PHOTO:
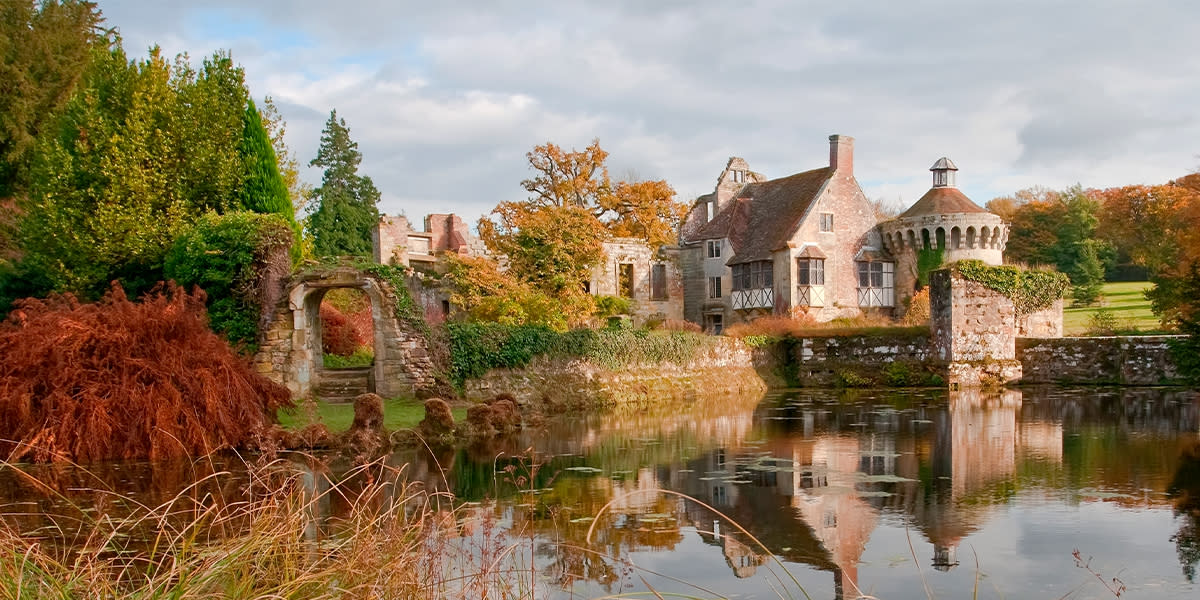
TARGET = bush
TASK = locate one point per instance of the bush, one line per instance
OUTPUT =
(338, 336)
(124, 380)
(362, 357)
(680, 325)
(612, 306)
(917, 310)
(1102, 322)
(236, 259)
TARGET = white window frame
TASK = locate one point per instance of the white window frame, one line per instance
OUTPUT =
(714, 248)
(826, 225)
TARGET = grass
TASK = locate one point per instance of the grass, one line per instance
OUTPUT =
(398, 413)
(1127, 303)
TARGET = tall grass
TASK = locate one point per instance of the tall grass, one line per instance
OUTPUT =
(274, 538)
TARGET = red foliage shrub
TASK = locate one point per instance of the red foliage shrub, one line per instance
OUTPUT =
(120, 379)
(338, 335)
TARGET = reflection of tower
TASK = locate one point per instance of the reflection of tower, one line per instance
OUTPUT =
(740, 558)
(974, 448)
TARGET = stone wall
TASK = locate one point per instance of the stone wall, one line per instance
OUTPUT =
(1142, 360)
(831, 361)
(731, 367)
(1045, 323)
(605, 278)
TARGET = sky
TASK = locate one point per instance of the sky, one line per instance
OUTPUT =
(446, 98)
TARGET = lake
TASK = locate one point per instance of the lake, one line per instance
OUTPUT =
(895, 494)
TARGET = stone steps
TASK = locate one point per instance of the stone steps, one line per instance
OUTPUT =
(343, 385)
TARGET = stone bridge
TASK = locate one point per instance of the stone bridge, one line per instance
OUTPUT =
(290, 351)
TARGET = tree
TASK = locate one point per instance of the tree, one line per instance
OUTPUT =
(263, 190)
(572, 178)
(1059, 229)
(1006, 207)
(645, 210)
(346, 201)
(44, 49)
(289, 168)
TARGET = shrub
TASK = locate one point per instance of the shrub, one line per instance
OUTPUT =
(680, 325)
(237, 259)
(362, 357)
(611, 306)
(338, 335)
(917, 310)
(1102, 322)
(122, 380)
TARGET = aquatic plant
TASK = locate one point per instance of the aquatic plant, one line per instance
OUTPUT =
(118, 379)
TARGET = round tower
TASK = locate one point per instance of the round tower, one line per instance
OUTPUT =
(944, 226)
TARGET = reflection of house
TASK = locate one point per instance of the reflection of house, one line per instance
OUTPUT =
(810, 242)
(395, 242)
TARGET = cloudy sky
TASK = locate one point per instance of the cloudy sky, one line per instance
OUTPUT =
(445, 98)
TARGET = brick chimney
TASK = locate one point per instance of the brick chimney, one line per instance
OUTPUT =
(841, 153)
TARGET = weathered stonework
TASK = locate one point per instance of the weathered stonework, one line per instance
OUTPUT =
(975, 328)
(1141, 360)
(637, 256)
(1045, 323)
(290, 349)
(828, 361)
(561, 383)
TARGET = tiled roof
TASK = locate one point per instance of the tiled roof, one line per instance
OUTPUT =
(942, 201)
(773, 210)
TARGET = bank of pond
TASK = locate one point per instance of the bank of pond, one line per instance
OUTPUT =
(824, 493)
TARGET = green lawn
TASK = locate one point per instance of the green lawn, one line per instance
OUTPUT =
(1125, 301)
(398, 413)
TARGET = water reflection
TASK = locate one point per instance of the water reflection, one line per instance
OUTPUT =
(835, 485)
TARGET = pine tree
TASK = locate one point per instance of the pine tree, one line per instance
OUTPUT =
(346, 201)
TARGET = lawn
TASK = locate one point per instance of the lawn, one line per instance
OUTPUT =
(1124, 300)
(398, 413)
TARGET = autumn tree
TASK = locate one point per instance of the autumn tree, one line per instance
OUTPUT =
(346, 201)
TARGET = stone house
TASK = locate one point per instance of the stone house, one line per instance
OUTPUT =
(810, 243)
(802, 244)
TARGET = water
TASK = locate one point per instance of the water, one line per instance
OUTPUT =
(840, 493)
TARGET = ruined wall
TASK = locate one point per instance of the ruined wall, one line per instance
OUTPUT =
(974, 331)
(1142, 360)
(1045, 323)
(887, 359)
(731, 367)
(290, 347)
(605, 279)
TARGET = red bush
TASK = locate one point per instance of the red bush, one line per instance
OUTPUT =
(338, 334)
(120, 379)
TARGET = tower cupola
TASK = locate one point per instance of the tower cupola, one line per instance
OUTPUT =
(943, 172)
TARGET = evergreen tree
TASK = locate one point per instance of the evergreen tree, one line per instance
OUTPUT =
(264, 190)
(346, 201)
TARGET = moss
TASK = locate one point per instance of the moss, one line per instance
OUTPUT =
(1030, 290)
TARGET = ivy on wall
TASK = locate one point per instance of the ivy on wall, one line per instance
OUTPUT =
(928, 259)
(407, 310)
(477, 347)
(1030, 290)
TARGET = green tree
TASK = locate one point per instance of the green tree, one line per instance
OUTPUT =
(142, 149)
(44, 51)
(264, 190)
(346, 201)
(1078, 252)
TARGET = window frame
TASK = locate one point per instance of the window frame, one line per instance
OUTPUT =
(658, 282)
(626, 287)
(715, 287)
(714, 248)
(826, 224)
(810, 271)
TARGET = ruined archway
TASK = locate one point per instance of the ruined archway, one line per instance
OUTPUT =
(291, 352)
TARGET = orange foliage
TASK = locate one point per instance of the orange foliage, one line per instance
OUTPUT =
(121, 380)
(338, 334)
(1157, 224)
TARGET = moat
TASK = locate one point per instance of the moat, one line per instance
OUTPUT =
(861, 491)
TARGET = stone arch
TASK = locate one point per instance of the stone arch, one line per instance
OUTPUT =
(971, 237)
(912, 240)
(925, 243)
(955, 237)
(940, 237)
(291, 353)
(984, 234)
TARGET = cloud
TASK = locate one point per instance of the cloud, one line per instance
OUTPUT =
(445, 99)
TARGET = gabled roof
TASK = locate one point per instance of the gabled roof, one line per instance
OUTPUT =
(776, 208)
(942, 201)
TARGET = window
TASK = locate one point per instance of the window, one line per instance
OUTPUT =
(712, 324)
(658, 282)
(810, 271)
(753, 276)
(714, 248)
(625, 279)
(876, 284)
(710, 208)
(826, 222)
(714, 287)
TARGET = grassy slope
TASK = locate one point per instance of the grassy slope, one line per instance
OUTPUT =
(1126, 302)
(398, 413)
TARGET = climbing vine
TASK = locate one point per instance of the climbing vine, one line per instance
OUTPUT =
(928, 259)
(1030, 290)
(407, 309)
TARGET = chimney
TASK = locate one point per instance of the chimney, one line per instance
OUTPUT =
(841, 153)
